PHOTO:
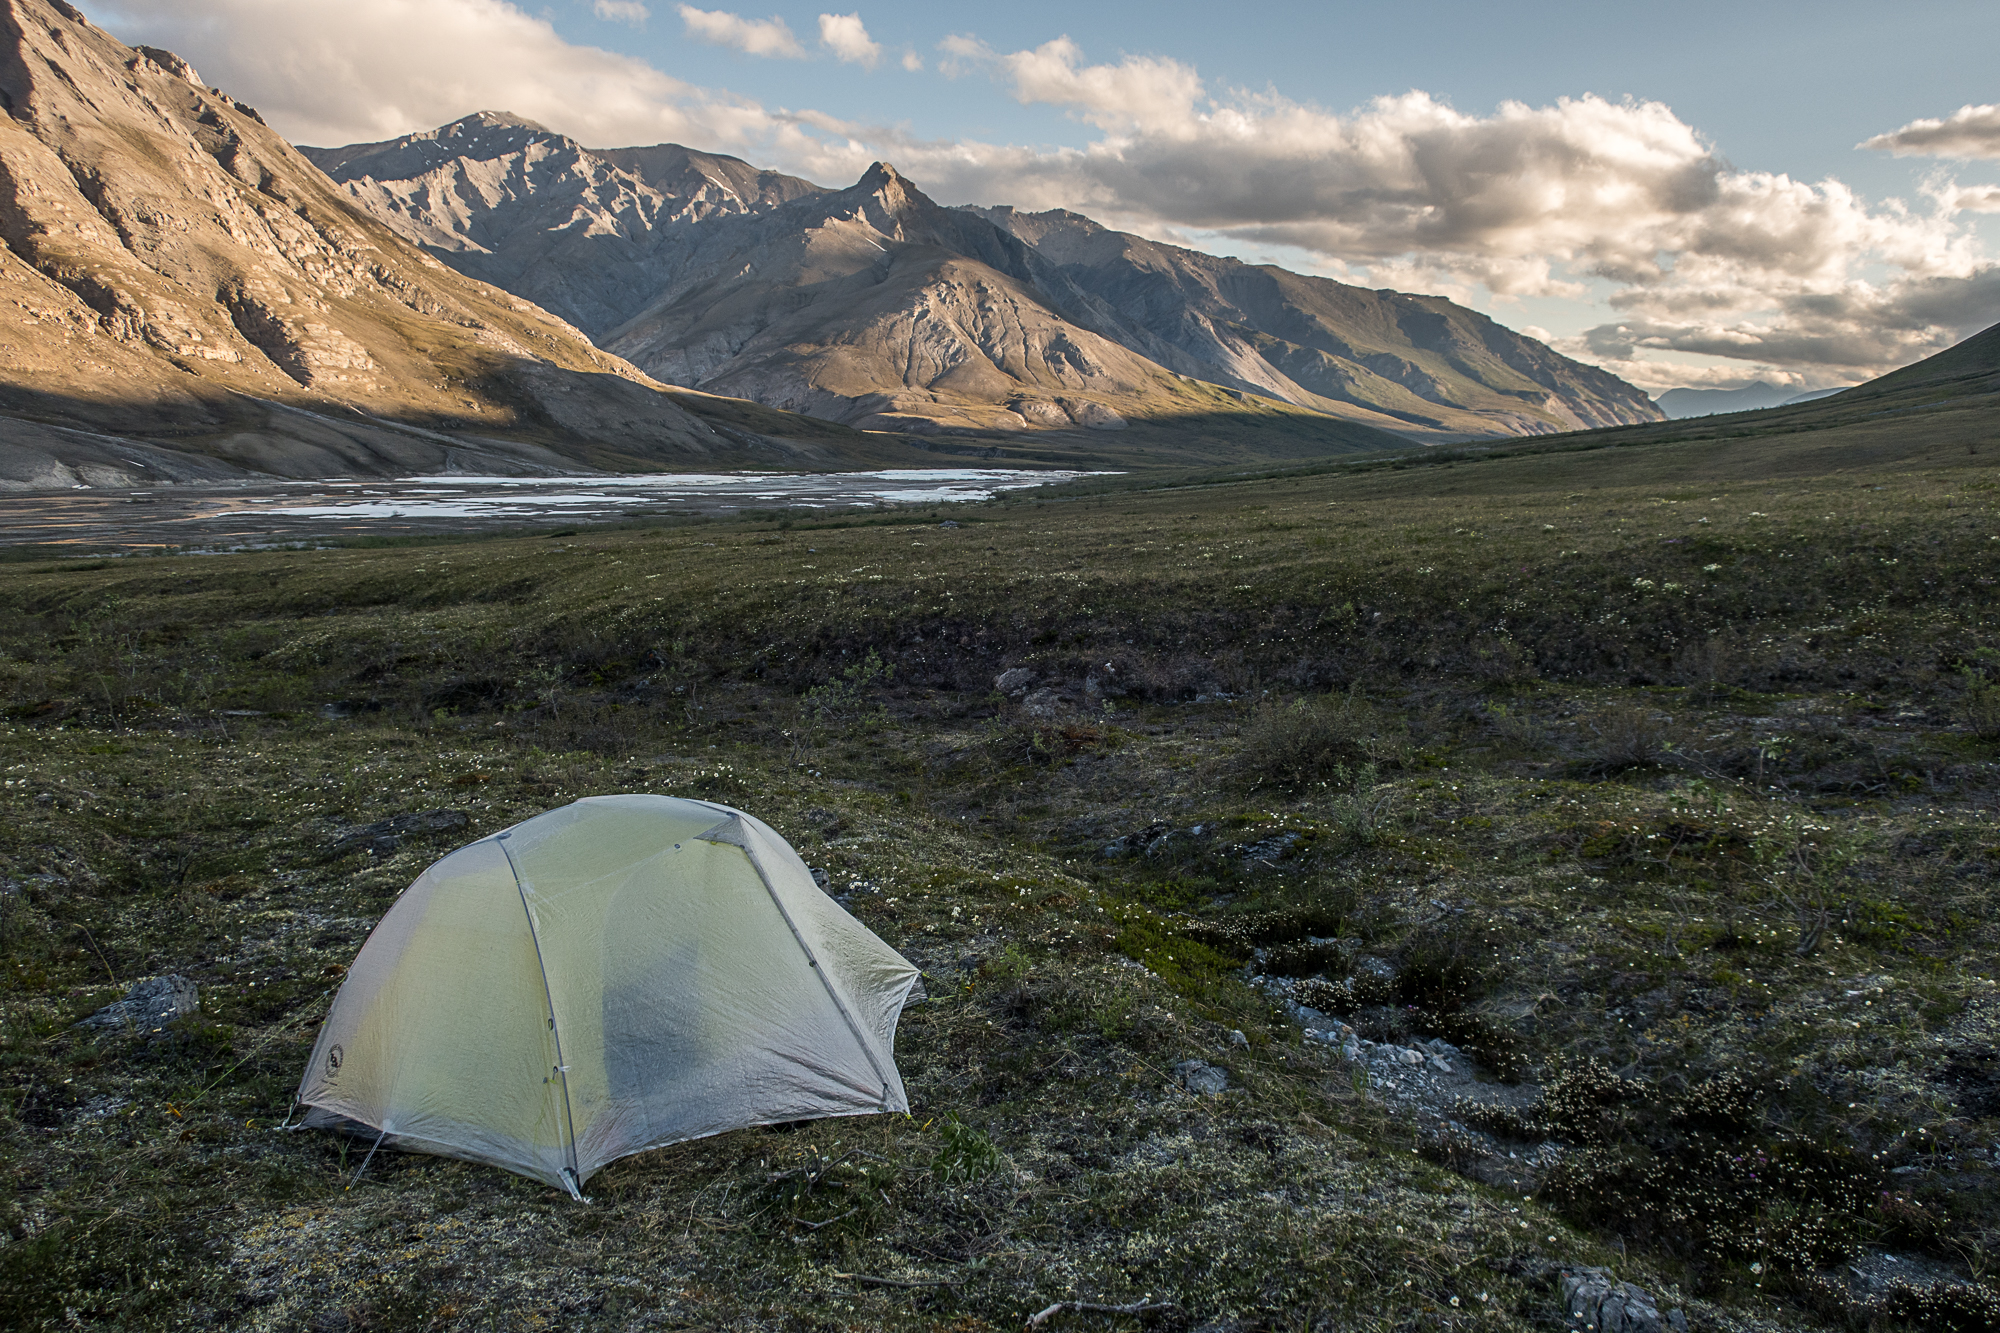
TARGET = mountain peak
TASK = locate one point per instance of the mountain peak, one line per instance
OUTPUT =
(486, 120)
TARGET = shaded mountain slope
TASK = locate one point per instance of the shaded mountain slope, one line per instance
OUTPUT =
(875, 306)
(1972, 366)
(1946, 406)
(1420, 359)
(180, 290)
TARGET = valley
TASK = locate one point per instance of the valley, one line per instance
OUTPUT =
(1649, 789)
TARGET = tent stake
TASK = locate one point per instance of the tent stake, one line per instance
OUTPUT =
(366, 1160)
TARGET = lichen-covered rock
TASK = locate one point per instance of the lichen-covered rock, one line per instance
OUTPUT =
(1596, 1302)
(149, 1005)
(1201, 1078)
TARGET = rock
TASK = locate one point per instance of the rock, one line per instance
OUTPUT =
(1596, 1302)
(1236, 1037)
(1201, 1078)
(149, 1005)
(949, 523)
(1014, 681)
(1043, 703)
(386, 835)
(1410, 1056)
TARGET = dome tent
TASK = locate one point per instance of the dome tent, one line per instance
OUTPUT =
(615, 975)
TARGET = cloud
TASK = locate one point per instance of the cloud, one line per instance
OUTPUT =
(621, 11)
(374, 69)
(912, 61)
(844, 35)
(753, 37)
(1139, 91)
(1970, 131)
(1614, 201)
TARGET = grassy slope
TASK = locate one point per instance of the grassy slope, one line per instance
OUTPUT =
(1606, 731)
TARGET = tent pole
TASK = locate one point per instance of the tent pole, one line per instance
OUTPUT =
(575, 1171)
(824, 980)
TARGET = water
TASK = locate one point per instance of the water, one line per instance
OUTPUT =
(277, 513)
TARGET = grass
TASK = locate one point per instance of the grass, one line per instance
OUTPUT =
(1656, 778)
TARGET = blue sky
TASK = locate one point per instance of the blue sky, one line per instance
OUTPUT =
(1673, 192)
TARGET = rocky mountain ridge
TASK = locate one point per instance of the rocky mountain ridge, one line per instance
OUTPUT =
(184, 297)
(545, 218)
(864, 305)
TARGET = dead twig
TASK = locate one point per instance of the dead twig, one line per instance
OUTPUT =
(897, 1281)
(1041, 1317)
(99, 952)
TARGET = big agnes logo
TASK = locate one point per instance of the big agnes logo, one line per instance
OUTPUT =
(334, 1057)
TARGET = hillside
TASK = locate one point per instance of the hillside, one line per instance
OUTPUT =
(189, 298)
(1947, 401)
(765, 286)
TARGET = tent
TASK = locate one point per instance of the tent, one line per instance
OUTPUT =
(618, 974)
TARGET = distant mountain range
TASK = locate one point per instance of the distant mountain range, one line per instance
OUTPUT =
(1682, 403)
(188, 298)
(876, 307)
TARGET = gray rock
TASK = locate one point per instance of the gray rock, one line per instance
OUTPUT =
(386, 835)
(150, 1004)
(1201, 1078)
(1236, 1037)
(1043, 703)
(1596, 1302)
(1015, 681)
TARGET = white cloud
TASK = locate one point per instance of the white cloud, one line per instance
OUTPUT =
(844, 35)
(1585, 199)
(1970, 131)
(753, 37)
(1139, 91)
(621, 11)
(963, 54)
(373, 69)
(912, 61)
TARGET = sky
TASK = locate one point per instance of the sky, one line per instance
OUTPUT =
(1703, 194)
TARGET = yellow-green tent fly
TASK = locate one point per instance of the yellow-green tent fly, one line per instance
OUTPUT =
(615, 975)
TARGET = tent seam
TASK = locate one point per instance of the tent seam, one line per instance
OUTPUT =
(548, 993)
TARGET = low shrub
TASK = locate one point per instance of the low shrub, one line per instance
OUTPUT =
(1316, 743)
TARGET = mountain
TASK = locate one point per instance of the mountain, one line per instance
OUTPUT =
(1423, 362)
(876, 307)
(186, 297)
(1679, 404)
(1967, 368)
(1811, 396)
(579, 232)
